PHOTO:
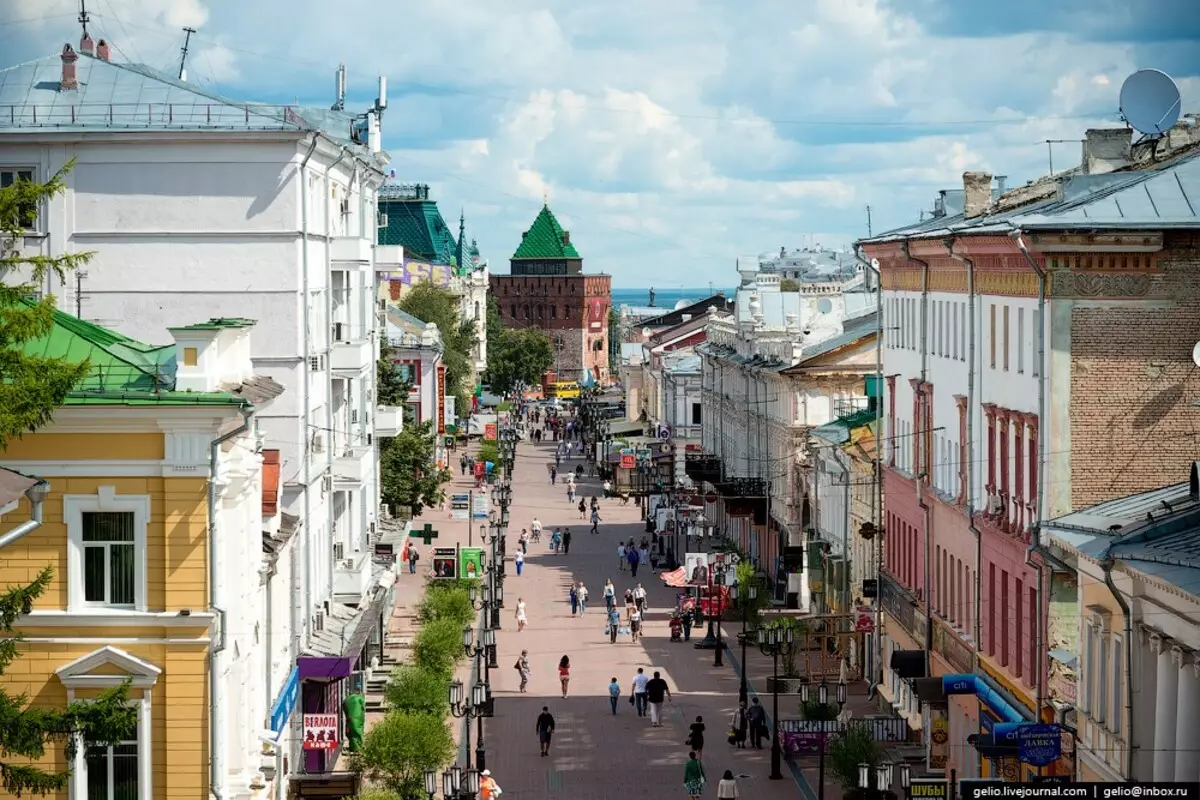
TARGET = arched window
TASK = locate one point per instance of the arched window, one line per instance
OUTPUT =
(553, 312)
(476, 309)
(566, 312)
(541, 312)
(514, 310)
(525, 311)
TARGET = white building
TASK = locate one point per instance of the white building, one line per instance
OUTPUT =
(197, 205)
(682, 407)
(417, 351)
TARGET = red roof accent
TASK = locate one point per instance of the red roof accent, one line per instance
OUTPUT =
(270, 490)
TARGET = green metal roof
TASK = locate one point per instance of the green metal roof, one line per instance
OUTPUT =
(219, 324)
(123, 371)
(546, 239)
(417, 225)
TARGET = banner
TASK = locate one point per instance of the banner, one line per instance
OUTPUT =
(445, 562)
(460, 506)
(470, 563)
(939, 739)
(696, 566)
(480, 501)
(441, 398)
(320, 731)
(489, 432)
(448, 416)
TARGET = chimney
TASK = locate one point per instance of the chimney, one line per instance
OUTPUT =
(977, 193)
(69, 57)
(86, 45)
(1001, 184)
(212, 354)
(566, 238)
(102, 50)
(1105, 150)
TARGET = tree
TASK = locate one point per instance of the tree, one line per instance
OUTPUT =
(408, 476)
(431, 303)
(789, 285)
(31, 388)
(400, 747)
(515, 356)
(390, 387)
(852, 746)
(438, 647)
(414, 690)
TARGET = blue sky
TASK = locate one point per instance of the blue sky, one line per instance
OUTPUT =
(674, 136)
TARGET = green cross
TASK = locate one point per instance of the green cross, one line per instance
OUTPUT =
(428, 534)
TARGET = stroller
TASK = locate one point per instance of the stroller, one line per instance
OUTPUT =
(676, 625)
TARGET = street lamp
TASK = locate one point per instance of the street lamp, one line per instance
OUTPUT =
(823, 700)
(431, 783)
(719, 581)
(775, 642)
(470, 708)
(748, 601)
(905, 777)
(473, 593)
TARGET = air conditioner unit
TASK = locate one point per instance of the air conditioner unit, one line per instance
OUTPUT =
(345, 208)
(382, 304)
(319, 621)
(995, 504)
(383, 221)
(346, 563)
(326, 483)
(339, 331)
(339, 551)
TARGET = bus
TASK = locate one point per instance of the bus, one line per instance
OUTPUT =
(567, 390)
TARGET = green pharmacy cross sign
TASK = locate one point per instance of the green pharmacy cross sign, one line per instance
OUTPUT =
(426, 534)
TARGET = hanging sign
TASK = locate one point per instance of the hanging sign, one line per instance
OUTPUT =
(441, 399)
(1039, 745)
(320, 731)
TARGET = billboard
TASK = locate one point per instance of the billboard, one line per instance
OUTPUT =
(445, 562)
(696, 565)
(470, 563)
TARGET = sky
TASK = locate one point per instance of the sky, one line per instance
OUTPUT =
(673, 136)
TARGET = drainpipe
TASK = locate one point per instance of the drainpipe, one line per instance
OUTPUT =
(1035, 545)
(926, 510)
(329, 422)
(1106, 564)
(216, 598)
(300, 626)
(36, 495)
(877, 465)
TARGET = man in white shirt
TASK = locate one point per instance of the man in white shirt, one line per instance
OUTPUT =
(536, 527)
(621, 556)
(639, 597)
(639, 692)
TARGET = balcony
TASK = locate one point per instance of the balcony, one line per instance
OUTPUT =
(351, 357)
(389, 258)
(350, 252)
(351, 577)
(389, 421)
(352, 466)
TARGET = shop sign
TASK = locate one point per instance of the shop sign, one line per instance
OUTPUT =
(285, 704)
(445, 562)
(628, 459)
(489, 432)
(441, 399)
(947, 644)
(929, 788)
(1039, 745)
(939, 739)
(320, 731)
(864, 619)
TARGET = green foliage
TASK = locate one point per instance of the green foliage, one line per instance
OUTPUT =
(408, 476)
(515, 356)
(430, 303)
(746, 575)
(818, 712)
(799, 628)
(446, 601)
(31, 386)
(413, 690)
(390, 388)
(854, 745)
(26, 732)
(375, 793)
(400, 747)
(438, 646)
(789, 285)
(488, 451)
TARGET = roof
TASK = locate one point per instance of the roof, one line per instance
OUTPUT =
(1162, 196)
(113, 95)
(416, 223)
(13, 486)
(546, 239)
(257, 389)
(809, 265)
(288, 525)
(687, 363)
(854, 330)
(698, 309)
(123, 371)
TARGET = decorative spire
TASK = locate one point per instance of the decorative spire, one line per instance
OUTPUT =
(461, 245)
(545, 196)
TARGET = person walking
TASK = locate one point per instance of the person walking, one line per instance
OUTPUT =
(657, 692)
(488, 790)
(613, 626)
(582, 509)
(631, 554)
(639, 598)
(566, 541)
(738, 725)
(522, 668)
(635, 624)
(693, 776)
(621, 560)
(521, 615)
(519, 560)
(574, 597)
(644, 554)
(413, 558)
(638, 691)
(583, 596)
(756, 718)
(696, 738)
(536, 528)
(545, 729)
(553, 475)
(523, 540)
(564, 673)
(614, 694)
(571, 492)
(595, 520)
(727, 789)
(610, 595)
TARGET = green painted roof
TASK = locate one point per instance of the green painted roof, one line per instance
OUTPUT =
(219, 324)
(123, 371)
(546, 239)
(418, 226)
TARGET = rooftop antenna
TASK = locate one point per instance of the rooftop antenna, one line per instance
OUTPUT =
(84, 17)
(340, 89)
(1050, 149)
(187, 39)
(868, 221)
(1150, 102)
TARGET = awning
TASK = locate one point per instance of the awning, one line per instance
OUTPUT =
(345, 631)
(675, 578)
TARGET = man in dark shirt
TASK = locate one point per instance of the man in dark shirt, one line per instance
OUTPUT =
(656, 692)
(756, 718)
(545, 729)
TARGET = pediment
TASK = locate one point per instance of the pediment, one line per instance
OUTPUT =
(107, 667)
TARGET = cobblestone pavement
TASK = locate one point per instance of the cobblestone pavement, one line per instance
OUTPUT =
(595, 753)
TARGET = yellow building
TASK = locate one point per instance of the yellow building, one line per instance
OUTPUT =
(143, 451)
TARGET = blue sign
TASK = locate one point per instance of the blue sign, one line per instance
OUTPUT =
(987, 720)
(957, 685)
(1007, 733)
(1040, 745)
(281, 712)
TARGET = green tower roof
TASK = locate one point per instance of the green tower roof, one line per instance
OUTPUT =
(546, 239)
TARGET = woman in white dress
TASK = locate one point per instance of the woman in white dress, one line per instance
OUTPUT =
(522, 618)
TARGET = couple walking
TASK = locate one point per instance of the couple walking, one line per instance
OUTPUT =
(750, 720)
(648, 696)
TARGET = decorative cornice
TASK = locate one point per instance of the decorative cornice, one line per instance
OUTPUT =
(1159, 644)
(960, 400)
(1180, 656)
(1093, 285)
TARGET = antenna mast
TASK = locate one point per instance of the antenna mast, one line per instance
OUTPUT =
(84, 17)
(869, 221)
(187, 39)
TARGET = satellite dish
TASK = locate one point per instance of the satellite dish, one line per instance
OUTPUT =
(824, 305)
(1150, 102)
(1196, 354)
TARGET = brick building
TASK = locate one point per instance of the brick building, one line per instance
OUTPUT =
(546, 288)
(1039, 359)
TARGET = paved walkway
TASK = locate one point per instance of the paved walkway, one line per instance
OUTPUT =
(596, 754)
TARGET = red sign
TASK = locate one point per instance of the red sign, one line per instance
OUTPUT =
(441, 399)
(489, 432)
(480, 469)
(628, 461)
(320, 731)
(710, 498)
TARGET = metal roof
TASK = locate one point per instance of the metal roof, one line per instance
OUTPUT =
(1165, 195)
(113, 95)
(682, 364)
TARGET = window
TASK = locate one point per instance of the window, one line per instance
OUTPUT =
(992, 611)
(106, 558)
(1100, 712)
(191, 356)
(1089, 669)
(9, 176)
(512, 311)
(962, 331)
(553, 312)
(1021, 340)
(1006, 339)
(992, 333)
(696, 414)
(1019, 617)
(476, 309)
(112, 772)
(1005, 616)
(1118, 671)
(955, 344)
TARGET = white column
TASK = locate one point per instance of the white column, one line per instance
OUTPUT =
(145, 744)
(1165, 709)
(1187, 731)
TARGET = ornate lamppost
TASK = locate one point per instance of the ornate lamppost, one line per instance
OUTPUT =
(775, 642)
(823, 700)
(470, 707)
(748, 601)
(720, 575)
(460, 784)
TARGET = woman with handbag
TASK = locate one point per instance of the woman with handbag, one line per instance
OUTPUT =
(696, 738)
(738, 726)
(693, 776)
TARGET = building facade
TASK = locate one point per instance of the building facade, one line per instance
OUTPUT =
(546, 288)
